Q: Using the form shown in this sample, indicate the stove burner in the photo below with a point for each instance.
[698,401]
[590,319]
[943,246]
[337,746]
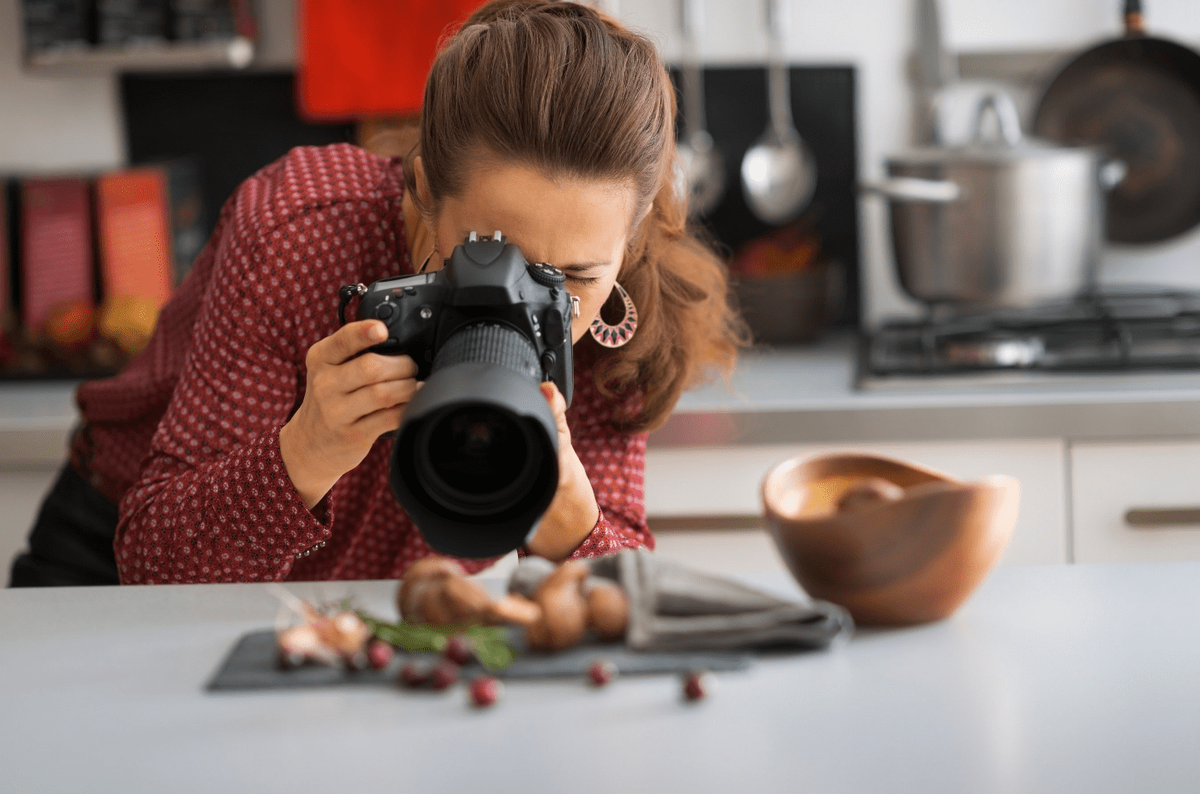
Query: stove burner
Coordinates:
[1098,332]
[998,352]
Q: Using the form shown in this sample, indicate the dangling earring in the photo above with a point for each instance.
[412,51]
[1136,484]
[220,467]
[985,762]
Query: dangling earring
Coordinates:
[425,264]
[620,333]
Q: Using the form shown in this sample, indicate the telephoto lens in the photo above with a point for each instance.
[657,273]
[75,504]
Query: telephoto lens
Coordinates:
[475,461]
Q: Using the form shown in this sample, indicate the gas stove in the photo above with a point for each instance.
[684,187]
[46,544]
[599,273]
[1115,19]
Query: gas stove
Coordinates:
[1132,332]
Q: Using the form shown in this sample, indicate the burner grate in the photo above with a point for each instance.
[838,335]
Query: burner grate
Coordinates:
[1099,332]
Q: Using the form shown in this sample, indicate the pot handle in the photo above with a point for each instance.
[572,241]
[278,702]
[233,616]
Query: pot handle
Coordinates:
[907,188]
[1135,24]
[1007,118]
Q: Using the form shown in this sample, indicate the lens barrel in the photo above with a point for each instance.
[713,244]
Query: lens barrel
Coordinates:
[475,462]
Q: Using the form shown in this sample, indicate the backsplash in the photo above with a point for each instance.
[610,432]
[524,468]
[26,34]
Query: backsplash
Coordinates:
[233,125]
[823,109]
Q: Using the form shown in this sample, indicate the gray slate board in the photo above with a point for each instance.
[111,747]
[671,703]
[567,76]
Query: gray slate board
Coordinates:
[251,664]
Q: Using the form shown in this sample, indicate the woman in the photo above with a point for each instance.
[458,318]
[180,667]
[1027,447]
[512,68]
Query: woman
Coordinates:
[244,443]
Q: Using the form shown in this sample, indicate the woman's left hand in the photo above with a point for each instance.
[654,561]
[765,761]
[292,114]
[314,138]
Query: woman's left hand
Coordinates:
[574,511]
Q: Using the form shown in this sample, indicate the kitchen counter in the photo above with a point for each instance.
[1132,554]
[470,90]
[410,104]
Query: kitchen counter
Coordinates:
[807,395]
[802,395]
[35,420]
[1050,679]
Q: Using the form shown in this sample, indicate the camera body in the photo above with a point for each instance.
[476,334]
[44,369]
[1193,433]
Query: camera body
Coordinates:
[475,459]
[486,281]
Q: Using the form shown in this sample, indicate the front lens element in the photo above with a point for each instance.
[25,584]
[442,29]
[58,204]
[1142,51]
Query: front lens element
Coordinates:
[478,451]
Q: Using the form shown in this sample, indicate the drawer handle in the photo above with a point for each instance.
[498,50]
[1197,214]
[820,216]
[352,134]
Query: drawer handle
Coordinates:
[1153,517]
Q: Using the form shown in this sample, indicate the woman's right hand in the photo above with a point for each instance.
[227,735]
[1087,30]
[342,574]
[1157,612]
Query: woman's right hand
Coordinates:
[350,401]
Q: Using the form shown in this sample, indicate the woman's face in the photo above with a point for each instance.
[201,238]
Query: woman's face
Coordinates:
[581,226]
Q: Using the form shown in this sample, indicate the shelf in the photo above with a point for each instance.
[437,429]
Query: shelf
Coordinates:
[1021,67]
[1030,68]
[235,53]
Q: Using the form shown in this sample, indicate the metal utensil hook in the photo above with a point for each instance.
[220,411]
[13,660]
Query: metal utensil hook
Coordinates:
[699,170]
[778,79]
[691,22]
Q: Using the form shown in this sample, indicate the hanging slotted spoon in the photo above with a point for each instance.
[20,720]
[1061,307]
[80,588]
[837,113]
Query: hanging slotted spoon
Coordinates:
[700,174]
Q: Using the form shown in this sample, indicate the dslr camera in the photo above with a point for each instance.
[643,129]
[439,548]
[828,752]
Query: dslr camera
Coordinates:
[475,460]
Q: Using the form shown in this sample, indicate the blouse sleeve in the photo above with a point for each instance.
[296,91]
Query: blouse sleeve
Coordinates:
[616,466]
[214,502]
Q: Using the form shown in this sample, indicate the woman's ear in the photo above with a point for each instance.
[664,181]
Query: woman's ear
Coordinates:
[422,182]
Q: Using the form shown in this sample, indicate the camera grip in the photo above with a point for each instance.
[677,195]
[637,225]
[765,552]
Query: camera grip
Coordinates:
[347,293]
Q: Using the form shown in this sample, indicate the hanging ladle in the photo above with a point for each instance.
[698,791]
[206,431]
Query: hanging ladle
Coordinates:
[700,168]
[779,173]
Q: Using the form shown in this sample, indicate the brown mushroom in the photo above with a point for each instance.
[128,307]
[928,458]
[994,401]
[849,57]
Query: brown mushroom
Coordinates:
[514,610]
[608,609]
[437,591]
[564,609]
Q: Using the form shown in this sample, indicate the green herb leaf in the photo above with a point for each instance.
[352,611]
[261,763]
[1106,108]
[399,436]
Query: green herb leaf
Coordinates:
[490,642]
[491,648]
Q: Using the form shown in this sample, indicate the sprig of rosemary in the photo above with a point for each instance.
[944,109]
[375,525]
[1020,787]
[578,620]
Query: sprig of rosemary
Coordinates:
[490,642]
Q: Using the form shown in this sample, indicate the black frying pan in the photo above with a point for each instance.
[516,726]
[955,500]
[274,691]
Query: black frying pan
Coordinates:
[1138,98]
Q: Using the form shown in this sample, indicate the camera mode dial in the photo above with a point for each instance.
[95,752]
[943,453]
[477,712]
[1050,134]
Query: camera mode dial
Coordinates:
[547,274]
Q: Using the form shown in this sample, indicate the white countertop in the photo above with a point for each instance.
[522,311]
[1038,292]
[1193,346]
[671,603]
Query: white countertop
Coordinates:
[36,418]
[821,376]
[808,395]
[800,395]
[1050,679]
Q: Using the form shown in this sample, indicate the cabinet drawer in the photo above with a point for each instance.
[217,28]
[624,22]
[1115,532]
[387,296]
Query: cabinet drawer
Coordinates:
[694,482]
[1135,501]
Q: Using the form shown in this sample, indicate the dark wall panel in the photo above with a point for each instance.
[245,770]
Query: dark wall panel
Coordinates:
[823,109]
[234,124]
[231,125]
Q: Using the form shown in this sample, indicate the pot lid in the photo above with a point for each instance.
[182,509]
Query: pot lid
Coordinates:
[1006,145]
[976,153]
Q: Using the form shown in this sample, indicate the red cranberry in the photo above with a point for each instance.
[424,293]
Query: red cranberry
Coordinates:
[602,672]
[444,675]
[379,654]
[414,673]
[486,690]
[698,684]
[460,649]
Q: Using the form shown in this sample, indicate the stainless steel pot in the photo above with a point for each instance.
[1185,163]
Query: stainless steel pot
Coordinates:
[1000,222]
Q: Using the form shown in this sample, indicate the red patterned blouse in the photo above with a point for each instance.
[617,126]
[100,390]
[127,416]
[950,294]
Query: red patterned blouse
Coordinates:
[187,436]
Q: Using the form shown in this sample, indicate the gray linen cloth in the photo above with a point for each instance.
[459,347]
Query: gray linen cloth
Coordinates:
[676,608]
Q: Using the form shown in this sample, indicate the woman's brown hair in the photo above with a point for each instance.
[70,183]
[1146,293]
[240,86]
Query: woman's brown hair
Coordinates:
[569,91]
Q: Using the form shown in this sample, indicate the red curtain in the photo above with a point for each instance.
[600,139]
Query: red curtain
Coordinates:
[370,57]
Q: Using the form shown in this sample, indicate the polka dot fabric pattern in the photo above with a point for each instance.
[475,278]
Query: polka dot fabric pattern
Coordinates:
[187,436]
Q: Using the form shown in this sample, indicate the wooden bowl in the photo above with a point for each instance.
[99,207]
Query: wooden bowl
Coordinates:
[895,544]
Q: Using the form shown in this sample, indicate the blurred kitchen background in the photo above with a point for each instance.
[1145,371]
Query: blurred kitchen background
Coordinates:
[65,116]
[107,144]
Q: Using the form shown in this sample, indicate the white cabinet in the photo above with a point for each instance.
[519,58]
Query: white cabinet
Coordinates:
[693,482]
[1135,501]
